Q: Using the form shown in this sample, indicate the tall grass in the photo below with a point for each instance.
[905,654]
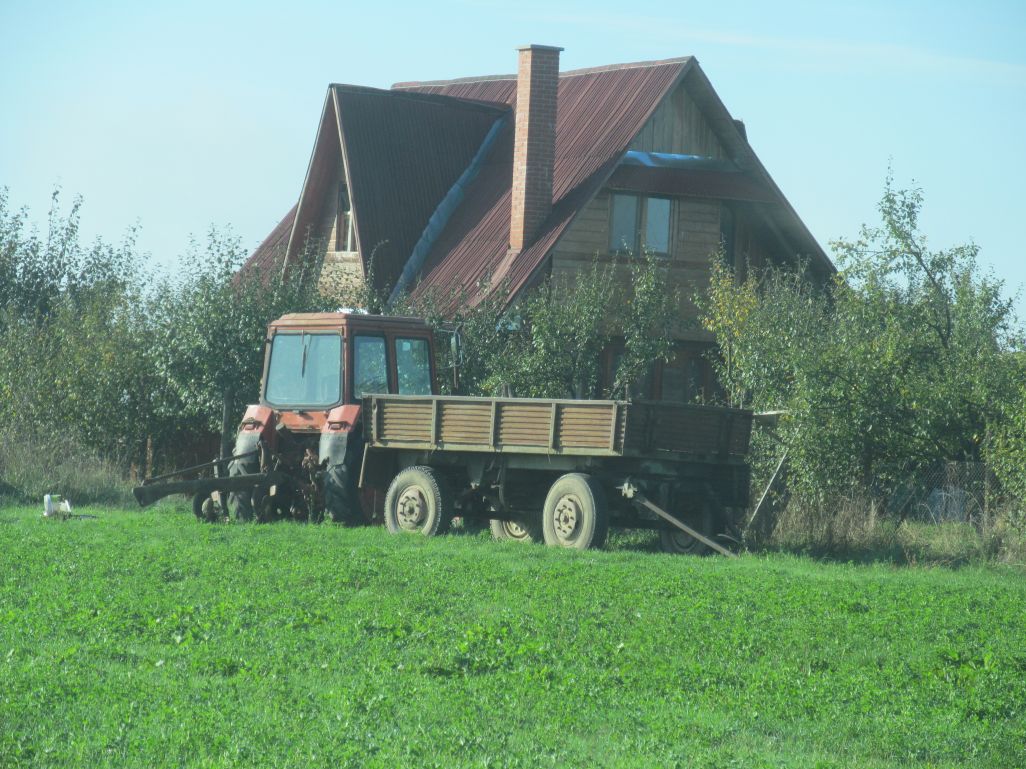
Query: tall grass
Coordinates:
[32,465]
[853,528]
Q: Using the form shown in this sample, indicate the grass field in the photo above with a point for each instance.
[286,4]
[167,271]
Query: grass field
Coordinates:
[146,639]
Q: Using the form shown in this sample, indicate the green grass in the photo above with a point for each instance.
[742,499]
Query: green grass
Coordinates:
[146,639]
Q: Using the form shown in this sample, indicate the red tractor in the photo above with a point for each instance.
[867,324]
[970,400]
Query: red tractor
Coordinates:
[298,450]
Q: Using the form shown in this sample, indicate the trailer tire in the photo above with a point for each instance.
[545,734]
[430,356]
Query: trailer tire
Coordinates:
[519,530]
[576,514]
[418,501]
[674,540]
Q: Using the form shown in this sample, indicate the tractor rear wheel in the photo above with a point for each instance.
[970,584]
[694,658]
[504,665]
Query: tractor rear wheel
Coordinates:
[341,498]
[418,501]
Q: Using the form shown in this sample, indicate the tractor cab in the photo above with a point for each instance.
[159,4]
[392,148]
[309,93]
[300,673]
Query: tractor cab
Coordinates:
[318,362]
[318,367]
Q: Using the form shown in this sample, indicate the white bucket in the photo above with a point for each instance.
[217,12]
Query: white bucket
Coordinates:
[56,506]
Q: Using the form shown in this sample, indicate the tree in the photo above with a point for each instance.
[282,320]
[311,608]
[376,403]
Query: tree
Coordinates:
[210,327]
[900,362]
[552,339]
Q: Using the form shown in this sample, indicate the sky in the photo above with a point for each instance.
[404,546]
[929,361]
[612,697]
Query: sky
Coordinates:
[176,116]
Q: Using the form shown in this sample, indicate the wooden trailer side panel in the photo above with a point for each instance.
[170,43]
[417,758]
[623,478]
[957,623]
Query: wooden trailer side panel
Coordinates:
[541,426]
[496,424]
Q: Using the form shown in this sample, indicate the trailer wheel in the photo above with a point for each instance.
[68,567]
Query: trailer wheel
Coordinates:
[418,501]
[575,514]
[520,530]
[673,540]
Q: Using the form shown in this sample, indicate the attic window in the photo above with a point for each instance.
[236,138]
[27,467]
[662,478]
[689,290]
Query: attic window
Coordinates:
[345,237]
[639,223]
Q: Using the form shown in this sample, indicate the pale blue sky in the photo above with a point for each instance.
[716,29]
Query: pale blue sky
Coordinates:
[183,114]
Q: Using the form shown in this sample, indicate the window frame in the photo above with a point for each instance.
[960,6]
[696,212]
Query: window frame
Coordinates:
[396,339]
[345,235]
[640,223]
[389,365]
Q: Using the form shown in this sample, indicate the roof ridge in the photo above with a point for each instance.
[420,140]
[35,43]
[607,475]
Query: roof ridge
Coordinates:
[438,98]
[568,73]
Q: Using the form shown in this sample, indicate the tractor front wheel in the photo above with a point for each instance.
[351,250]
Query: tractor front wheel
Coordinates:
[206,508]
[241,503]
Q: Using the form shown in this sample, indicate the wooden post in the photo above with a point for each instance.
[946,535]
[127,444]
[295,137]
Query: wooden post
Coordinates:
[228,406]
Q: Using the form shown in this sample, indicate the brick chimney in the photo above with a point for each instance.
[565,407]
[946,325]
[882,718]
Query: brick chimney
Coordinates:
[534,142]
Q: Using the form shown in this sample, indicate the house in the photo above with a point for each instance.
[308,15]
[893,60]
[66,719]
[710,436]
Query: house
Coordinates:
[502,180]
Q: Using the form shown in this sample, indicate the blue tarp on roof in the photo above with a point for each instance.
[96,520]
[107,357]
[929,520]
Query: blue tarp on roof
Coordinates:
[671,160]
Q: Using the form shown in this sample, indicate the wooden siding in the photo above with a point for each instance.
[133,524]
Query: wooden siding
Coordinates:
[694,239]
[678,126]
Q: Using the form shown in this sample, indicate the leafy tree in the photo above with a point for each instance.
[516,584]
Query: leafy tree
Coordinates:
[1008,448]
[900,362]
[37,274]
[210,326]
[552,339]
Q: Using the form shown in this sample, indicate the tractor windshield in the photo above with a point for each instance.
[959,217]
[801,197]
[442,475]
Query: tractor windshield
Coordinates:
[305,370]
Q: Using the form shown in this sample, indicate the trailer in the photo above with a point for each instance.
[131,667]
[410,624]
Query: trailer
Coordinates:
[559,471]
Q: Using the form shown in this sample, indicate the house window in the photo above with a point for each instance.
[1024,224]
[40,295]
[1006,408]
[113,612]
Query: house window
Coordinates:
[623,226]
[639,223]
[345,237]
[688,377]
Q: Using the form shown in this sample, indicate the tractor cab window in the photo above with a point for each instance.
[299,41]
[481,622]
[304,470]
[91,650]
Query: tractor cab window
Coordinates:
[370,366]
[413,365]
[304,370]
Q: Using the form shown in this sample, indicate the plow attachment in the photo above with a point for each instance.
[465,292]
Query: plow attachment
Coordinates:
[147,494]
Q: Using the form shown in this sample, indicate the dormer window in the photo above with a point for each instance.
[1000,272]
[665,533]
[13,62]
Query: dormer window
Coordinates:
[639,223]
[345,237]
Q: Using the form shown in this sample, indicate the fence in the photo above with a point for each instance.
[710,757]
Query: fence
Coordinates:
[963,492]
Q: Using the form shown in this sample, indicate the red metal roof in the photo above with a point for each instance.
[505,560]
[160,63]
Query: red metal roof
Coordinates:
[269,256]
[600,111]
